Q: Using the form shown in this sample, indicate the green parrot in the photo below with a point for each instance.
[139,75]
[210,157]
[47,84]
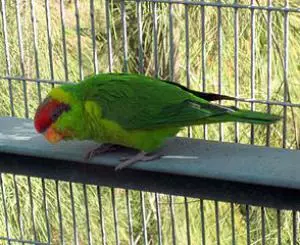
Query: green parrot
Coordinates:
[131,110]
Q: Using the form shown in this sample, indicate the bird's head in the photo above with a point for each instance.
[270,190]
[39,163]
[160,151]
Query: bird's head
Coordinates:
[50,114]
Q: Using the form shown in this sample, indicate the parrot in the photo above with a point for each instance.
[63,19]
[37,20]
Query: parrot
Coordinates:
[131,110]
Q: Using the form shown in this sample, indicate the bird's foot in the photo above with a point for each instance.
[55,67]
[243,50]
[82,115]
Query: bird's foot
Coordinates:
[141,156]
[104,148]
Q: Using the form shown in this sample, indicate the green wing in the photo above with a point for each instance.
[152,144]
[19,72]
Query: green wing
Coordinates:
[139,102]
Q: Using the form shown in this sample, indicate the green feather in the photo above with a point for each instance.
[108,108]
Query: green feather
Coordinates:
[141,112]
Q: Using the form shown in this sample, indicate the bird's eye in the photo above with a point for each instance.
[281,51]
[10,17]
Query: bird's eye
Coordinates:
[58,111]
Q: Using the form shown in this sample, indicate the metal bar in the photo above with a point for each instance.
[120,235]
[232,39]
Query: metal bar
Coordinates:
[220,47]
[217,222]
[46,210]
[50,51]
[187,218]
[88,229]
[232,223]
[203,58]
[202,221]
[281,197]
[75,234]
[144,215]
[115,213]
[31,208]
[108,36]
[3,195]
[80,68]
[155,43]
[187,54]
[20,220]
[227,5]
[93,33]
[236,67]
[285,73]
[263,226]
[295,227]
[59,213]
[172,212]
[9,240]
[278,227]
[252,68]
[35,45]
[7,56]
[248,224]
[288,104]
[102,224]
[140,35]
[21,51]
[269,69]
[159,228]
[129,217]
[63,30]
[124,32]
[171,42]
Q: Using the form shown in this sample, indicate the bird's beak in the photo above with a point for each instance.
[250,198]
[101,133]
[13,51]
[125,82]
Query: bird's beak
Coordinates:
[52,135]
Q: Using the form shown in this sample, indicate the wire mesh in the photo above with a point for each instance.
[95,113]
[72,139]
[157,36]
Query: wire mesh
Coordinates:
[247,49]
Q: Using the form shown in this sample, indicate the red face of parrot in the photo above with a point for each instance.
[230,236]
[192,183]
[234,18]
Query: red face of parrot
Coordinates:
[46,115]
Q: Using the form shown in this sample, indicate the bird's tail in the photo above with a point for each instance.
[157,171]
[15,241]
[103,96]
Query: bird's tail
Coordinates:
[253,117]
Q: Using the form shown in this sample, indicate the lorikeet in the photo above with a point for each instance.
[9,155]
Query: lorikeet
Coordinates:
[131,110]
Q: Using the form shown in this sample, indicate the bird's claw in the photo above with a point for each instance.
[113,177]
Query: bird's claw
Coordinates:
[141,156]
[104,148]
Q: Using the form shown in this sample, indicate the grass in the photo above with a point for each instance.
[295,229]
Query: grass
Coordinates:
[198,80]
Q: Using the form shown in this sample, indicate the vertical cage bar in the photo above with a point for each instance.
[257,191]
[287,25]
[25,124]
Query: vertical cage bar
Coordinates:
[144,215]
[155,43]
[248,224]
[46,210]
[220,47]
[77,15]
[140,35]
[263,226]
[3,195]
[232,223]
[21,51]
[278,214]
[63,30]
[7,57]
[159,228]
[129,217]
[187,219]
[295,227]
[102,223]
[203,58]
[202,221]
[75,234]
[95,57]
[108,36]
[172,212]
[20,220]
[31,208]
[187,54]
[269,69]
[115,213]
[87,216]
[124,32]
[252,66]
[59,213]
[171,42]
[236,67]
[50,49]
[35,46]
[285,72]
[217,222]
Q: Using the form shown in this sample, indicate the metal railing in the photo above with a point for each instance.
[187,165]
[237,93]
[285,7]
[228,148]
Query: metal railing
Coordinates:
[46,43]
